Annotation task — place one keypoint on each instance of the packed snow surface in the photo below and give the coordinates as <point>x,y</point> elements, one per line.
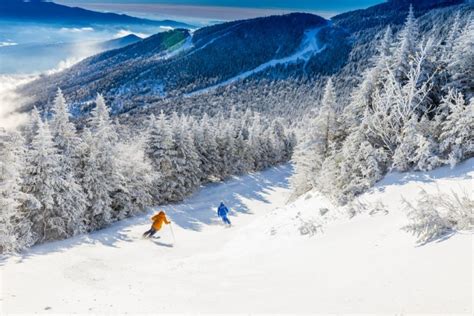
<point>307,256</point>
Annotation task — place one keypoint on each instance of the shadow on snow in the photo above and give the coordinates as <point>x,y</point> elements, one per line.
<point>201,207</point>
<point>195,211</point>
<point>463,170</point>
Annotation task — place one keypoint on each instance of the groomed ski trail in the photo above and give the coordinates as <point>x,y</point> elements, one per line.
<point>309,47</point>
<point>114,270</point>
<point>262,264</point>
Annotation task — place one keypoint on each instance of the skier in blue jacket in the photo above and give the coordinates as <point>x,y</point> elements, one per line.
<point>222,212</point>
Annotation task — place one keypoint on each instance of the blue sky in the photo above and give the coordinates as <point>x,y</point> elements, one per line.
<point>218,10</point>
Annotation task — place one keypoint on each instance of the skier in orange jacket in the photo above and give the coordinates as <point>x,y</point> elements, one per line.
<point>158,220</point>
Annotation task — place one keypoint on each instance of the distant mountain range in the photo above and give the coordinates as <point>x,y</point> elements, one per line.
<point>48,56</point>
<point>178,61</point>
<point>183,70</point>
<point>50,12</point>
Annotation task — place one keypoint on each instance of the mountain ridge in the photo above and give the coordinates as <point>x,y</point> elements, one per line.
<point>212,56</point>
<point>247,43</point>
<point>51,12</point>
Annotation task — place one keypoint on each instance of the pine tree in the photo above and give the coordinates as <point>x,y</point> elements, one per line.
<point>185,162</point>
<point>426,155</point>
<point>226,147</point>
<point>404,156</point>
<point>279,142</point>
<point>373,78</point>
<point>95,185</point>
<point>31,127</point>
<point>244,163</point>
<point>160,149</point>
<point>43,180</point>
<point>457,140</point>
<point>451,39</point>
<point>361,165</point>
<point>325,128</point>
<point>72,199</point>
<point>15,227</point>
<point>406,46</point>
<point>461,62</point>
<point>137,175</point>
<point>312,152</point>
<point>256,143</point>
<point>64,131</point>
<point>306,164</point>
<point>207,148</point>
<point>397,102</point>
<point>100,179</point>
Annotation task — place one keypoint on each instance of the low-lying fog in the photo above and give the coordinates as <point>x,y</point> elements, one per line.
<point>29,49</point>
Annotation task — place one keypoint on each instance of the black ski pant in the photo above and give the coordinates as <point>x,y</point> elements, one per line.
<point>150,232</point>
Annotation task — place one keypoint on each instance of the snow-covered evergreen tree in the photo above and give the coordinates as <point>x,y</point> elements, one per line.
<point>373,78</point>
<point>257,143</point>
<point>406,46</point>
<point>72,199</point>
<point>397,102</point>
<point>404,155</point>
<point>100,178</point>
<point>395,117</point>
<point>226,147</point>
<point>185,162</point>
<point>281,147</point>
<point>207,148</point>
<point>137,176</point>
<point>457,137</point>
<point>160,149</point>
<point>15,226</point>
<point>43,179</point>
<point>461,60</point>
<point>426,154</point>
<point>312,152</point>
<point>326,124</point>
<point>361,164</point>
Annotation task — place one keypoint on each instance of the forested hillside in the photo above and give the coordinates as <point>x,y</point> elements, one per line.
<point>58,182</point>
<point>186,74</point>
<point>176,62</point>
<point>347,100</point>
<point>412,110</point>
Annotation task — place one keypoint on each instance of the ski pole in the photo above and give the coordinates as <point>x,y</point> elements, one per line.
<point>172,233</point>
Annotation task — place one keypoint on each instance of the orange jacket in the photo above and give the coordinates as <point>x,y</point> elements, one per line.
<point>158,220</point>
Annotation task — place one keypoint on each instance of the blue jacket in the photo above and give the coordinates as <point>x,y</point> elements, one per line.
<point>222,210</point>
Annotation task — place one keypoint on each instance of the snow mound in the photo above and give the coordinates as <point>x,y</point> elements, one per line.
<point>385,199</point>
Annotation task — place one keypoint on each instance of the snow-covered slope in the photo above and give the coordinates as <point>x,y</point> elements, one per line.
<point>263,263</point>
<point>309,47</point>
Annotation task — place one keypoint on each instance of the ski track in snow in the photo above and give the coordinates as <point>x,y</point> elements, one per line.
<point>309,47</point>
<point>261,264</point>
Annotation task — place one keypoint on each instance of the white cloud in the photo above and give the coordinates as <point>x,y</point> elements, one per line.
<point>167,28</point>
<point>76,29</point>
<point>63,64</point>
<point>3,44</point>
<point>124,32</point>
<point>10,101</point>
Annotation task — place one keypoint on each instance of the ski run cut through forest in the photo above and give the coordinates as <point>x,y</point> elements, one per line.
<point>261,264</point>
